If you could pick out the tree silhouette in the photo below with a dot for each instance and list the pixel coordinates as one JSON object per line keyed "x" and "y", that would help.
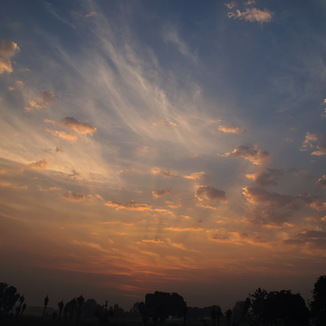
{"x": 228, "y": 315}
{"x": 60, "y": 309}
{"x": 270, "y": 307}
{"x": 8, "y": 298}
{"x": 318, "y": 304}
{"x": 161, "y": 305}
{"x": 216, "y": 313}
{"x": 19, "y": 307}
{"x": 80, "y": 301}
{"x": 46, "y": 301}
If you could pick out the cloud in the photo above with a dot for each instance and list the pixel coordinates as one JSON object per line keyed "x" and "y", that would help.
{"x": 43, "y": 164}
{"x": 12, "y": 185}
{"x": 162, "y": 171}
{"x": 81, "y": 128}
{"x": 237, "y": 237}
{"x": 164, "y": 123}
{"x": 249, "y": 13}
{"x": 321, "y": 181}
{"x": 43, "y": 100}
{"x": 231, "y": 130}
{"x": 161, "y": 193}
{"x": 268, "y": 177}
{"x": 63, "y": 135}
{"x": 313, "y": 202}
{"x": 251, "y": 153}
{"x": 206, "y": 193}
{"x": 73, "y": 196}
{"x": 183, "y": 229}
{"x": 269, "y": 208}
{"x": 310, "y": 239}
{"x": 171, "y": 35}
{"x": 133, "y": 206}
{"x": 7, "y": 50}
{"x": 316, "y": 143}
{"x": 196, "y": 176}
{"x": 262, "y": 197}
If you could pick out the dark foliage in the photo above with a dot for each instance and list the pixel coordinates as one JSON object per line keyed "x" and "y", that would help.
{"x": 8, "y": 298}
{"x": 278, "y": 306}
{"x": 318, "y": 304}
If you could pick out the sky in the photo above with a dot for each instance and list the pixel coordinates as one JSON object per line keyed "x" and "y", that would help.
{"x": 167, "y": 145}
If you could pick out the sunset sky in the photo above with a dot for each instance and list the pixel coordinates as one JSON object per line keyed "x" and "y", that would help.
{"x": 162, "y": 145}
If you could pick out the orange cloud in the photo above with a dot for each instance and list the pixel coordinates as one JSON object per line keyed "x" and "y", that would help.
{"x": 12, "y": 185}
{"x": 161, "y": 193}
{"x": 164, "y": 123}
{"x": 73, "y": 196}
{"x": 184, "y": 229}
{"x": 7, "y": 50}
{"x": 259, "y": 196}
{"x": 206, "y": 193}
{"x": 249, "y": 14}
{"x": 166, "y": 173}
{"x": 231, "y": 130}
{"x": 251, "y": 153}
{"x": 81, "y": 128}
{"x": 63, "y": 135}
{"x": 43, "y": 164}
{"x": 316, "y": 143}
{"x": 133, "y": 206}
{"x": 313, "y": 202}
{"x": 43, "y": 100}
{"x": 196, "y": 176}
{"x": 310, "y": 239}
{"x": 321, "y": 181}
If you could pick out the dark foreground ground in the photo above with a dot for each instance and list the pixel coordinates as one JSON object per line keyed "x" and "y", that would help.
{"x": 37, "y": 321}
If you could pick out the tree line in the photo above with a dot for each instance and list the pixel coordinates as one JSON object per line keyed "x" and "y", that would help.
{"x": 260, "y": 308}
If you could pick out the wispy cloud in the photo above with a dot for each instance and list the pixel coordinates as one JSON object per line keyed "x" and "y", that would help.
{"x": 171, "y": 35}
